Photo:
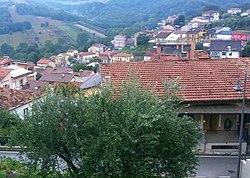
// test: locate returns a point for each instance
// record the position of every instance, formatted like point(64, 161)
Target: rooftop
point(11, 99)
point(225, 45)
point(201, 80)
point(4, 72)
point(43, 61)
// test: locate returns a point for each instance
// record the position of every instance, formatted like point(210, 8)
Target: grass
point(37, 34)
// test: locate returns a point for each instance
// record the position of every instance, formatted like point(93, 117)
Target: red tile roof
point(11, 99)
point(201, 80)
point(43, 61)
point(4, 72)
point(86, 54)
point(122, 55)
point(5, 60)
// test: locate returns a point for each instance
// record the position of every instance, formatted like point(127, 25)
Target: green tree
point(246, 51)
point(9, 124)
point(131, 133)
point(180, 20)
point(143, 39)
point(7, 50)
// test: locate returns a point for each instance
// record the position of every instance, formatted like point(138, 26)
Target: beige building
point(122, 57)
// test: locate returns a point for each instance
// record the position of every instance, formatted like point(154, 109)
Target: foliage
point(43, 10)
point(211, 7)
point(180, 20)
point(138, 51)
point(143, 39)
point(7, 26)
point(14, 168)
point(234, 22)
point(80, 66)
point(131, 133)
point(9, 123)
point(246, 50)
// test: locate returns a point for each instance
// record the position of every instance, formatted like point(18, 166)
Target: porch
point(222, 142)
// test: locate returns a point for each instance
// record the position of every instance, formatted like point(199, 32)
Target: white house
point(225, 49)
point(234, 11)
point(72, 52)
point(19, 77)
point(213, 15)
point(122, 57)
point(85, 57)
point(16, 101)
point(224, 35)
point(97, 48)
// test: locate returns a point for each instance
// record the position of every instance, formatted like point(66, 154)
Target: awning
point(215, 109)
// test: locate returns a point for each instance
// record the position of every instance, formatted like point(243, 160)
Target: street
point(215, 166)
point(209, 166)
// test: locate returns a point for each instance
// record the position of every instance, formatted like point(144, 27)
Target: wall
point(245, 168)
point(20, 110)
point(15, 83)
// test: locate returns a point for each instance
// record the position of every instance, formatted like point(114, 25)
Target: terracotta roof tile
point(5, 60)
point(86, 54)
point(4, 72)
point(201, 80)
point(43, 61)
point(11, 99)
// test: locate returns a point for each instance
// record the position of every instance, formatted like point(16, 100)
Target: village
point(207, 75)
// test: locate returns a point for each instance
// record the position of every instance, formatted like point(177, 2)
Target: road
point(215, 166)
point(209, 166)
point(90, 30)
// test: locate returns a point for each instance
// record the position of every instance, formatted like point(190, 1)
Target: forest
point(7, 26)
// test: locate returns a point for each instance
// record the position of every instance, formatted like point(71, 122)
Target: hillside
point(132, 15)
point(43, 28)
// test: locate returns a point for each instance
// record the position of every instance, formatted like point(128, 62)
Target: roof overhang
point(216, 109)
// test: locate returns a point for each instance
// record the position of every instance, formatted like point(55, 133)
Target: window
point(21, 82)
point(224, 53)
point(230, 54)
point(25, 111)
point(6, 86)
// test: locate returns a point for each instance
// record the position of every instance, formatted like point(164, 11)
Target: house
point(16, 101)
point(57, 78)
point(72, 53)
point(85, 57)
point(225, 49)
point(119, 41)
point(25, 65)
point(63, 59)
point(195, 34)
point(106, 56)
point(57, 60)
point(5, 77)
point(224, 35)
point(181, 34)
point(19, 76)
point(213, 15)
point(97, 48)
point(44, 62)
point(92, 81)
point(234, 11)
point(207, 92)
point(174, 50)
point(168, 28)
point(5, 61)
point(161, 36)
point(171, 19)
point(199, 21)
point(122, 57)
point(244, 37)
point(212, 33)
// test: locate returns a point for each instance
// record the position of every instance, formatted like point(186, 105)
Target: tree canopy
point(130, 133)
